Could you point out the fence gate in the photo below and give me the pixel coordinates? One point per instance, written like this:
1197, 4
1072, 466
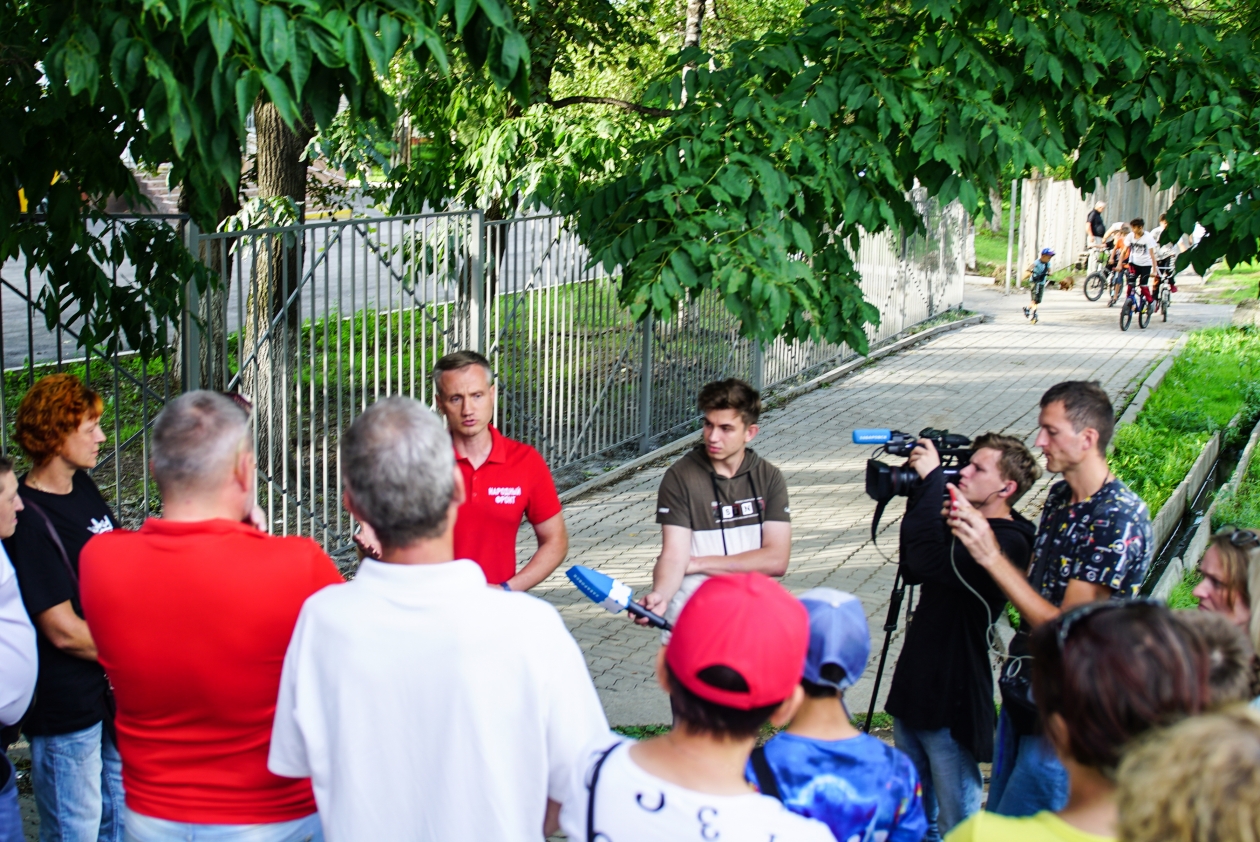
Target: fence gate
315, 322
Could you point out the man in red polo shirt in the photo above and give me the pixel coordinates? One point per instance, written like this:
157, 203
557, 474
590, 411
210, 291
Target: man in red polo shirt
503, 480
191, 616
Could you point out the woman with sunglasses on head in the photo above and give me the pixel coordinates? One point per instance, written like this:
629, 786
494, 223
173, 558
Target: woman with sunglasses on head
1103, 674
1231, 574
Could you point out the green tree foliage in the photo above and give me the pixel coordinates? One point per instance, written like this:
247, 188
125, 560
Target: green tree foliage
758, 184
174, 82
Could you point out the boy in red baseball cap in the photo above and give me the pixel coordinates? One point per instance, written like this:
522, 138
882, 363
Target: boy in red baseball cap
733, 663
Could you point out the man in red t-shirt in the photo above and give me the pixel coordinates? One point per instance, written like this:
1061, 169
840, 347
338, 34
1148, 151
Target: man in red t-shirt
503, 480
191, 616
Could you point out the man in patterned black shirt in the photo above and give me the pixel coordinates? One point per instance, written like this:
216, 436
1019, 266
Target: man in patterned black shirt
1094, 543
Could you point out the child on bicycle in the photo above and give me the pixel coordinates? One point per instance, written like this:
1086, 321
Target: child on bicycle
1038, 274
1140, 257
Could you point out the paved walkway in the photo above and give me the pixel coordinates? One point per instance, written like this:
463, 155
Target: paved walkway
973, 380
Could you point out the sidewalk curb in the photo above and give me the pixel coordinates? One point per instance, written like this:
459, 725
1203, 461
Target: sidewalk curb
686, 441
1152, 382
1176, 569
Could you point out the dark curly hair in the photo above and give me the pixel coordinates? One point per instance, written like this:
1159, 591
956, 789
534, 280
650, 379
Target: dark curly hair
53, 409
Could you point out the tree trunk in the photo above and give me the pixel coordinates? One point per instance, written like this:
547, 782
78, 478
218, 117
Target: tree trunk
213, 310
273, 308
694, 25
995, 201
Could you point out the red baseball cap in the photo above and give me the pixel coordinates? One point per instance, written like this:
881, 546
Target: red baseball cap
748, 622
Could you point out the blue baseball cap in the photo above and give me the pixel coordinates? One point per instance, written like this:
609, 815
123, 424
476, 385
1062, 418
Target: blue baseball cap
1048, 250
838, 634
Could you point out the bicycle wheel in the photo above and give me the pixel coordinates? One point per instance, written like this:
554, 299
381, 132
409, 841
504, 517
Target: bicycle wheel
1145, 310
1094, 286
1126, 316
1165, 299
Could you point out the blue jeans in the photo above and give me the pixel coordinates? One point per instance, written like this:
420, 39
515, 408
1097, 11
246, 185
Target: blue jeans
1027, 774
10, 813
952, 783
148, 829
78, 786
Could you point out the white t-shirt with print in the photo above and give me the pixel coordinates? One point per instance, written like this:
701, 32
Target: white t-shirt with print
1141, 248
632, 806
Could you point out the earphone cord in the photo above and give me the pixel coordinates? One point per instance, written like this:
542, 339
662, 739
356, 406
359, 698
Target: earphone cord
991, 639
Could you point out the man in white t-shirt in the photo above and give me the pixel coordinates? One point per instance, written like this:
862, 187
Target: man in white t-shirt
733, 663
424, 705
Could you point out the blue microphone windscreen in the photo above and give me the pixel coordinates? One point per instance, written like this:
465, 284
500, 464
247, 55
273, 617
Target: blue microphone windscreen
600, 588
872, 436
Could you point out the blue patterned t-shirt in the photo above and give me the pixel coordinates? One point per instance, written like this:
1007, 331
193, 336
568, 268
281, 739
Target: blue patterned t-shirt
1105, 540
861, 788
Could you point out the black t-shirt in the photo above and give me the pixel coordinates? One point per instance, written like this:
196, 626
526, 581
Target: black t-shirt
69, 692
1096, 225
943, 678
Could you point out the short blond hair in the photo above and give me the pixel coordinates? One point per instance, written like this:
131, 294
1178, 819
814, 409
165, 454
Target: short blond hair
1198, 781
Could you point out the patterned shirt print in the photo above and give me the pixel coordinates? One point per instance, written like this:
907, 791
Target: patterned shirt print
1105, 540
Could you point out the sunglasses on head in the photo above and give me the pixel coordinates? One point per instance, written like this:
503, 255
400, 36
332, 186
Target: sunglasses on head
240, 400
1241, 538
1073, 618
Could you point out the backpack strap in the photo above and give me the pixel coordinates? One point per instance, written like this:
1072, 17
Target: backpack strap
56, 539
590, 799
765, 775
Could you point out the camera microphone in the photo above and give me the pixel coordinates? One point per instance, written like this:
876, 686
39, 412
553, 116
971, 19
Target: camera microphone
613, 595
872, 436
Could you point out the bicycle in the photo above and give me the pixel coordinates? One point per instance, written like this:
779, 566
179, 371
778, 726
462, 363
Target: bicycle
1096, 281
1163, 289
1134, 301
1115, 280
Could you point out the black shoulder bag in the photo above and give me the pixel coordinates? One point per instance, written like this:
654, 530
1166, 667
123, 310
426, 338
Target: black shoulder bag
590, 799
1015, 682
110, 707
766, 782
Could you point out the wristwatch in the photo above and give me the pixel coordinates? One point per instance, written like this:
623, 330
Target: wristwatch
506, 586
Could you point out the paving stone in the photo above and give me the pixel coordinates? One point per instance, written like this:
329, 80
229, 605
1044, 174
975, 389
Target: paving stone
978, 379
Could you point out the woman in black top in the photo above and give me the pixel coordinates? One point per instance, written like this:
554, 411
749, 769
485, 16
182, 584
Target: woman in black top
75, 767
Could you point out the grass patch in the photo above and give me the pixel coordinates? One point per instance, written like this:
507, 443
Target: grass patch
880, 721
1235, 283
1182, 596
641, 732
1240, 506
1216, 376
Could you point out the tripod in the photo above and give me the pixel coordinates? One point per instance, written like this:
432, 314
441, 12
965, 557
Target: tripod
890, 626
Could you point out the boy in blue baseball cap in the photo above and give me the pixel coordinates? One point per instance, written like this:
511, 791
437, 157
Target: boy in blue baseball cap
1037, 275
824, 768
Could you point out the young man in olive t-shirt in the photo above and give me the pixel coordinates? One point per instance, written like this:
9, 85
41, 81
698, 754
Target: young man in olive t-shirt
722, 508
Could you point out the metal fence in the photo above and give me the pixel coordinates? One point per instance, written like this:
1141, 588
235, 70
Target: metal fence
315, 322
1052, 214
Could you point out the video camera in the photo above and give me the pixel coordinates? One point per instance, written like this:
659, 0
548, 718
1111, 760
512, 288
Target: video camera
884, 482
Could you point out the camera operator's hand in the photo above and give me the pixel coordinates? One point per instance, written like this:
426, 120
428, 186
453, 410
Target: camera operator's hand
972, 529
653, 602
924, 458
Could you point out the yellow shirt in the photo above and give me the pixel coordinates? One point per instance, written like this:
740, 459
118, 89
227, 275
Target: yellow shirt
1043, 827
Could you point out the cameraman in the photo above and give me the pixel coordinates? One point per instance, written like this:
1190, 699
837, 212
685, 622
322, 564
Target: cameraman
942, 690
1094, 543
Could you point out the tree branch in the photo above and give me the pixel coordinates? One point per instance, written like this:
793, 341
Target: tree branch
564, 102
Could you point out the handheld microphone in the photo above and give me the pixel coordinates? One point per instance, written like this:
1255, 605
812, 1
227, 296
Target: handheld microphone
613, 595
872, 436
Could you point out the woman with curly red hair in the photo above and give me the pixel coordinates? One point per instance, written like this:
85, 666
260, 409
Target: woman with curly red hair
75, 767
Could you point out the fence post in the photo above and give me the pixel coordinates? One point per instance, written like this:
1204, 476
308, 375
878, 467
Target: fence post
1010, 235
190, 330
477, 270
758, 365
645, 385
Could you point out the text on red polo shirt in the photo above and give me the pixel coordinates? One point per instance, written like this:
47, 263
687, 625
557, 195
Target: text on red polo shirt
514, 481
